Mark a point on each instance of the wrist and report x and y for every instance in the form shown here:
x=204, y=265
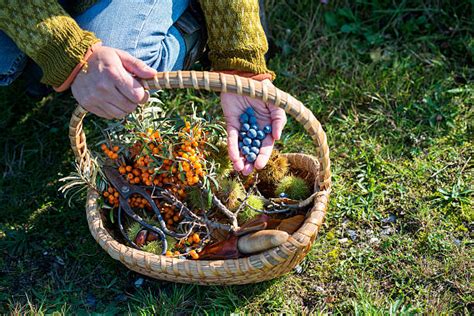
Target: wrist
x=80, y=66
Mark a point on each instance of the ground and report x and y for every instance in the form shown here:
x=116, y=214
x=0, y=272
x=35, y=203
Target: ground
x=391, y=84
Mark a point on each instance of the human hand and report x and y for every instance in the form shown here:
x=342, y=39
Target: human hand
x=108, y=89
x=267, y=114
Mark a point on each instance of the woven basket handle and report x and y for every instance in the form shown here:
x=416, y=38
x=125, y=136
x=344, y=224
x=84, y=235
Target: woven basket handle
x=219, y=82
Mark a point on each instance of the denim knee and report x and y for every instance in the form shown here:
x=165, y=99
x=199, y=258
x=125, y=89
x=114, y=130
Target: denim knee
x=13, y=61
x=145, y=30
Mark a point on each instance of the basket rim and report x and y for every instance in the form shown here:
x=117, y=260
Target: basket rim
x=292, y=252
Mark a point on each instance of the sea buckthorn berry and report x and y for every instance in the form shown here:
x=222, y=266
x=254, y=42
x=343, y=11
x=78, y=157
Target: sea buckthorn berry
x=194, y=254
x=196, y=238
x=128, y=168
x=116, y=148
x=169, y=253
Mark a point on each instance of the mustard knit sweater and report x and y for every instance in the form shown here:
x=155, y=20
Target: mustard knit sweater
x=47, y=34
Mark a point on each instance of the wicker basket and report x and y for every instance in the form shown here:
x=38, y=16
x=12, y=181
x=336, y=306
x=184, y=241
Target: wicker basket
x=252, y=269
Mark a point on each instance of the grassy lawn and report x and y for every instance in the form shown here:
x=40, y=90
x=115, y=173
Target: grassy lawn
x=393, y=87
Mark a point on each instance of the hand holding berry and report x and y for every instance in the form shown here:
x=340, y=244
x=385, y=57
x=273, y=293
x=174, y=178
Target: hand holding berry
x=269, y=121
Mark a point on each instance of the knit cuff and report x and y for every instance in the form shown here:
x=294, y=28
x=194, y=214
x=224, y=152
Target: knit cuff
x=253, y=62
x=58, y=58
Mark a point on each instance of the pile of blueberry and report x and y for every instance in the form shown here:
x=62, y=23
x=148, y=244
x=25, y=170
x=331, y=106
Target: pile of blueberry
x=250, y=136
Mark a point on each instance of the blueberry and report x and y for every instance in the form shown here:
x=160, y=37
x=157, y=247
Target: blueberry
x=256, y=143
x=245, y=150
x=251, y=157
x=260, y=135
x=254, y=150
x=245, y=127
x=247, y=141
x=252, y=133
x=241, y=145
x=267, y=129
x=242, y=135
x=254, y=126
x=250, y=112
x=244, y=118
x=283, y=195
x=252, y=120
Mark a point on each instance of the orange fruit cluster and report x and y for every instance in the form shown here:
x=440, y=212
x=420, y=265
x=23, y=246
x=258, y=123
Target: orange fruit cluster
x=192, y=241
x=111, y=153
x=112, y=196
x=170, y=214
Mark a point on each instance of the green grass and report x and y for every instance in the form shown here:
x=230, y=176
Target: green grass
x=391, y=82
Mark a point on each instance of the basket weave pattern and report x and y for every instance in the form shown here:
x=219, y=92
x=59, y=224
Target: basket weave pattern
x=256, y=268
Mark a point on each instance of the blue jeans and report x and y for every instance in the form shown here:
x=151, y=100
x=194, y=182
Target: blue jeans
x=145, y=29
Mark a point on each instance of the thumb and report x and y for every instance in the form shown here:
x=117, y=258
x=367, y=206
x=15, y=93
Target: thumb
x=134, y=65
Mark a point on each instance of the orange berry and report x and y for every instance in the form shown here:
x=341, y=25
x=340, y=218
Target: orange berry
x=116, y=148
x=170, y=222
x=130, y=176
x=177, y=253
x=122, y=170
x=196, y=238
x=168, y=253
x=128, y=168
x=136, y=172
x=194, y=254
x=103, y=147
x=110, y=190
x=136, y=180
x=106, y=194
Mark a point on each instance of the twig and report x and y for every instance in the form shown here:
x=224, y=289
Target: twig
x=231, y=216
x=248, y=193
x=187, y=212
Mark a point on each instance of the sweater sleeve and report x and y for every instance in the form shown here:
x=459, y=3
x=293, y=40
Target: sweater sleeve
x=47, y=34
x=236, y=37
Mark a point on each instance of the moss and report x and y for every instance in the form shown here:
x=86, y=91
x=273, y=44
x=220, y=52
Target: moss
x=295, y=187
x=153, y=247
x=196, y=199
x=231, y=193
x=133, y=230
x=276, y=168
x=221, y=158
x=248, y=213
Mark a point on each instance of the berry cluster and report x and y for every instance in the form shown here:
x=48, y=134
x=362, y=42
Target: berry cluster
x=250, y=136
